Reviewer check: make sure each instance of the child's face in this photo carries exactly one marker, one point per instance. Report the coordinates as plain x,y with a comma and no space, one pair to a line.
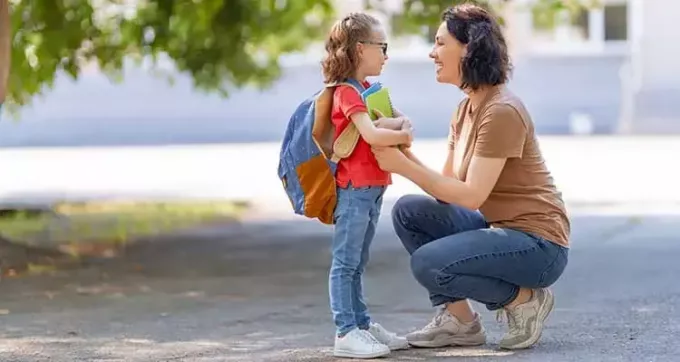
373,53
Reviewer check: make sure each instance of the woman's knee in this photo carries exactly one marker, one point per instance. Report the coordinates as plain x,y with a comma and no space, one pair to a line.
406,208
424,269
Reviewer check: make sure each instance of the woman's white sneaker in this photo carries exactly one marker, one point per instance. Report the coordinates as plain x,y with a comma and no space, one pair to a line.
359,344
391,340
446,330
525,321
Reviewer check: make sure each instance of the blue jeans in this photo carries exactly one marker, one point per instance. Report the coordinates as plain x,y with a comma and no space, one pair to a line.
456,256
356,217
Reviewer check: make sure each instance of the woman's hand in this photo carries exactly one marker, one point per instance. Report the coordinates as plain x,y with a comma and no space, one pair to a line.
390,159
395,123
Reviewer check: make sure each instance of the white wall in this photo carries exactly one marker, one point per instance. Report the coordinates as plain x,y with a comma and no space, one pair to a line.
656,44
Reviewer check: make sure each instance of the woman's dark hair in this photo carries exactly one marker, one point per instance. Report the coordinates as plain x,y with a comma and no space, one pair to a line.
487,61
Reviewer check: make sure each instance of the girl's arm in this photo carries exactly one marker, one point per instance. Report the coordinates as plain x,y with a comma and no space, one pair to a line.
353,108
375,136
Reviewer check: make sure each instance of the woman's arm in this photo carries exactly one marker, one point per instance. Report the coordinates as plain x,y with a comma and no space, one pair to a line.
398,122
500,136
447,170
407,152
481,178
393,123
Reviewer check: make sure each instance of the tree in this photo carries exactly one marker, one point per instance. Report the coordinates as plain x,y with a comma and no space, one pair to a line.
5,47
223,44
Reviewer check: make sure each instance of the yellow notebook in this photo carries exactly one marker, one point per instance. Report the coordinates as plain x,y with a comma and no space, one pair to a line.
380,101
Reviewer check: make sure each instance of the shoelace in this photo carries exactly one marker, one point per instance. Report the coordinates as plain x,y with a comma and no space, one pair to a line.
368,337
513,323
501,315
382,331
437,319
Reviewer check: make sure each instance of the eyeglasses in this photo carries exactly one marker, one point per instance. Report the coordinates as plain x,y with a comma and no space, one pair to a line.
382,45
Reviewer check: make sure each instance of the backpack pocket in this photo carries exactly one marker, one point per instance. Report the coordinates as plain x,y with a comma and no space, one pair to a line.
291,183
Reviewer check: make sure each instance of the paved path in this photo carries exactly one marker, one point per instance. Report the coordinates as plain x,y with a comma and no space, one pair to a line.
257,293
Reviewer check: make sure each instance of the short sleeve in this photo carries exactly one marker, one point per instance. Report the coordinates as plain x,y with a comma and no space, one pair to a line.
349,101
501,134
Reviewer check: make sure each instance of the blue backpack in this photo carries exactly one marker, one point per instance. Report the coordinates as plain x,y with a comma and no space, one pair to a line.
309,155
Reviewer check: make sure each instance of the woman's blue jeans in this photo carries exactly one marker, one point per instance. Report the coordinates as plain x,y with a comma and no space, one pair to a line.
455,255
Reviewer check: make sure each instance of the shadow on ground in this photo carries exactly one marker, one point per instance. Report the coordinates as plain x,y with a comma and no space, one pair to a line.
257,292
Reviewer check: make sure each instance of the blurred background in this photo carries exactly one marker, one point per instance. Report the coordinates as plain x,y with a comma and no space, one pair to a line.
130,121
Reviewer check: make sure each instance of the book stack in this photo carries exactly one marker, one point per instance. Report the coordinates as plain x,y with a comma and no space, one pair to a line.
377,98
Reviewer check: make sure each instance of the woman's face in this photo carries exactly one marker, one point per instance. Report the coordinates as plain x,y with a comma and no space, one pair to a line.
447,54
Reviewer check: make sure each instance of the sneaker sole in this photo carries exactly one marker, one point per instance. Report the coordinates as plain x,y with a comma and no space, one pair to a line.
400,346
542,317
449,341
349,354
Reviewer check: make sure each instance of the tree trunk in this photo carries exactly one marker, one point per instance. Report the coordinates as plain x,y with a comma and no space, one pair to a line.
5,48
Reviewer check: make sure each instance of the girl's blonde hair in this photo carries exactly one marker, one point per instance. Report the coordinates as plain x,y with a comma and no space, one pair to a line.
341,59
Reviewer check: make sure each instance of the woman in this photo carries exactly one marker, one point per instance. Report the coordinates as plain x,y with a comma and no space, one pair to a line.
506,254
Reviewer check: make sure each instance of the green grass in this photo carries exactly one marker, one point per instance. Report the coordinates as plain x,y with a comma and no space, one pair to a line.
112,222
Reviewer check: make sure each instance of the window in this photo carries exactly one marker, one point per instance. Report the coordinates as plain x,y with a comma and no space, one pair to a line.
616,22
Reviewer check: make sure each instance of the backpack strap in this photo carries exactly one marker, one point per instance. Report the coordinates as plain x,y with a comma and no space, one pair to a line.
349,137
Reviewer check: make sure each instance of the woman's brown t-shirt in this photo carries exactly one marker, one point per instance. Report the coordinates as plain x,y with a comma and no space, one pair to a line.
524,197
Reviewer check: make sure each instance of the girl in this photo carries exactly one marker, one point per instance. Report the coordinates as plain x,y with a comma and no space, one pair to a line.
356,48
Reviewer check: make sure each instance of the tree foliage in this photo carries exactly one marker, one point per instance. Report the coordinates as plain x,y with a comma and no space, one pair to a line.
222,44
418,15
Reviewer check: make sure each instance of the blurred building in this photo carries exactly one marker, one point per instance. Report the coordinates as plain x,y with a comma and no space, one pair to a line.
603,30
635,34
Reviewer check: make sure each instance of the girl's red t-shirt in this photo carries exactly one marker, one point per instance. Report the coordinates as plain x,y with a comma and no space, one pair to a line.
360,168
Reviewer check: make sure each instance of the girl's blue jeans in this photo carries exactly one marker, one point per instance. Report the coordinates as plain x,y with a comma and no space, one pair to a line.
356,217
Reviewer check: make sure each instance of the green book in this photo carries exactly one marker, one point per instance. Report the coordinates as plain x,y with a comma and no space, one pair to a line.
380,101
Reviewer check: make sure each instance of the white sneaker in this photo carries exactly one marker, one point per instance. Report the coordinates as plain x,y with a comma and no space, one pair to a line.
359,344
446,330
526,320
387,338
